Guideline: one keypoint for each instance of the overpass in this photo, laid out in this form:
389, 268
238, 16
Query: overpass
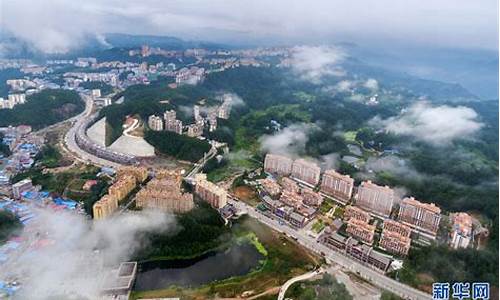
77, 141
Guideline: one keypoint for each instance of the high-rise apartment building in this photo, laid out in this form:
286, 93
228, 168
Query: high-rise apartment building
171, 122
375, 199
223, 112
12, 100
140, 173
96, 93
164, 193
104, 207
122, 187
196, 113
420, 216
127, 179
174, 126
155, 123
337, 185
278, 164
195, 130
170, 115
210, 192
6, 104
17, 98
306, 171
212, 123
461, 230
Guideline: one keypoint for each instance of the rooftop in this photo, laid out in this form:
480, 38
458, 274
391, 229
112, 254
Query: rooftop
427, 206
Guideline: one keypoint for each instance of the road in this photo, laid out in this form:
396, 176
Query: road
131, 128
70, 138
72, 119
199, 164
293, 280
375, 277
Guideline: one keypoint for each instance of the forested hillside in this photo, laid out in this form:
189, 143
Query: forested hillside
43, 109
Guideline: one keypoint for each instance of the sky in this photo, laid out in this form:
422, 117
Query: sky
60, 25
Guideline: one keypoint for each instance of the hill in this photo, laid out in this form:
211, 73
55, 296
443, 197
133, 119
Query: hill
43, 109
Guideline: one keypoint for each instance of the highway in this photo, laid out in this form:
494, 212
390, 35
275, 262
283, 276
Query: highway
375, 277
70, 138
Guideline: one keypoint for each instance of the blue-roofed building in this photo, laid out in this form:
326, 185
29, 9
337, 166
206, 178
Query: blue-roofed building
108, 171
68, 203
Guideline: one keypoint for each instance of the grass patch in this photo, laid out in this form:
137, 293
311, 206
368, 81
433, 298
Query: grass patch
236, 163
350, 136
254, 240
318, 226
326, 206
339, 212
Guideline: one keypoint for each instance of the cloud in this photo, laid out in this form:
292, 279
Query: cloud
357, 98
313, 63
236, 101
392, 164
437, 125
290, 141
59, 25
345, 86
396, 166
371, 84
330, 161
186, 111
82, 252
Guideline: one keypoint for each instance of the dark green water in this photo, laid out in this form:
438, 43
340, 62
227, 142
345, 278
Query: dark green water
236, 261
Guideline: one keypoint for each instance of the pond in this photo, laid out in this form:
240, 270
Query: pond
238, 260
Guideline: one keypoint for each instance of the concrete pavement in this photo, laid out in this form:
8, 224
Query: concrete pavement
293, 280
358, 290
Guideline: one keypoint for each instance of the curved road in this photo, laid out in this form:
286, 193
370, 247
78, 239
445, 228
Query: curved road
131, 128
70, 139
302, 277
